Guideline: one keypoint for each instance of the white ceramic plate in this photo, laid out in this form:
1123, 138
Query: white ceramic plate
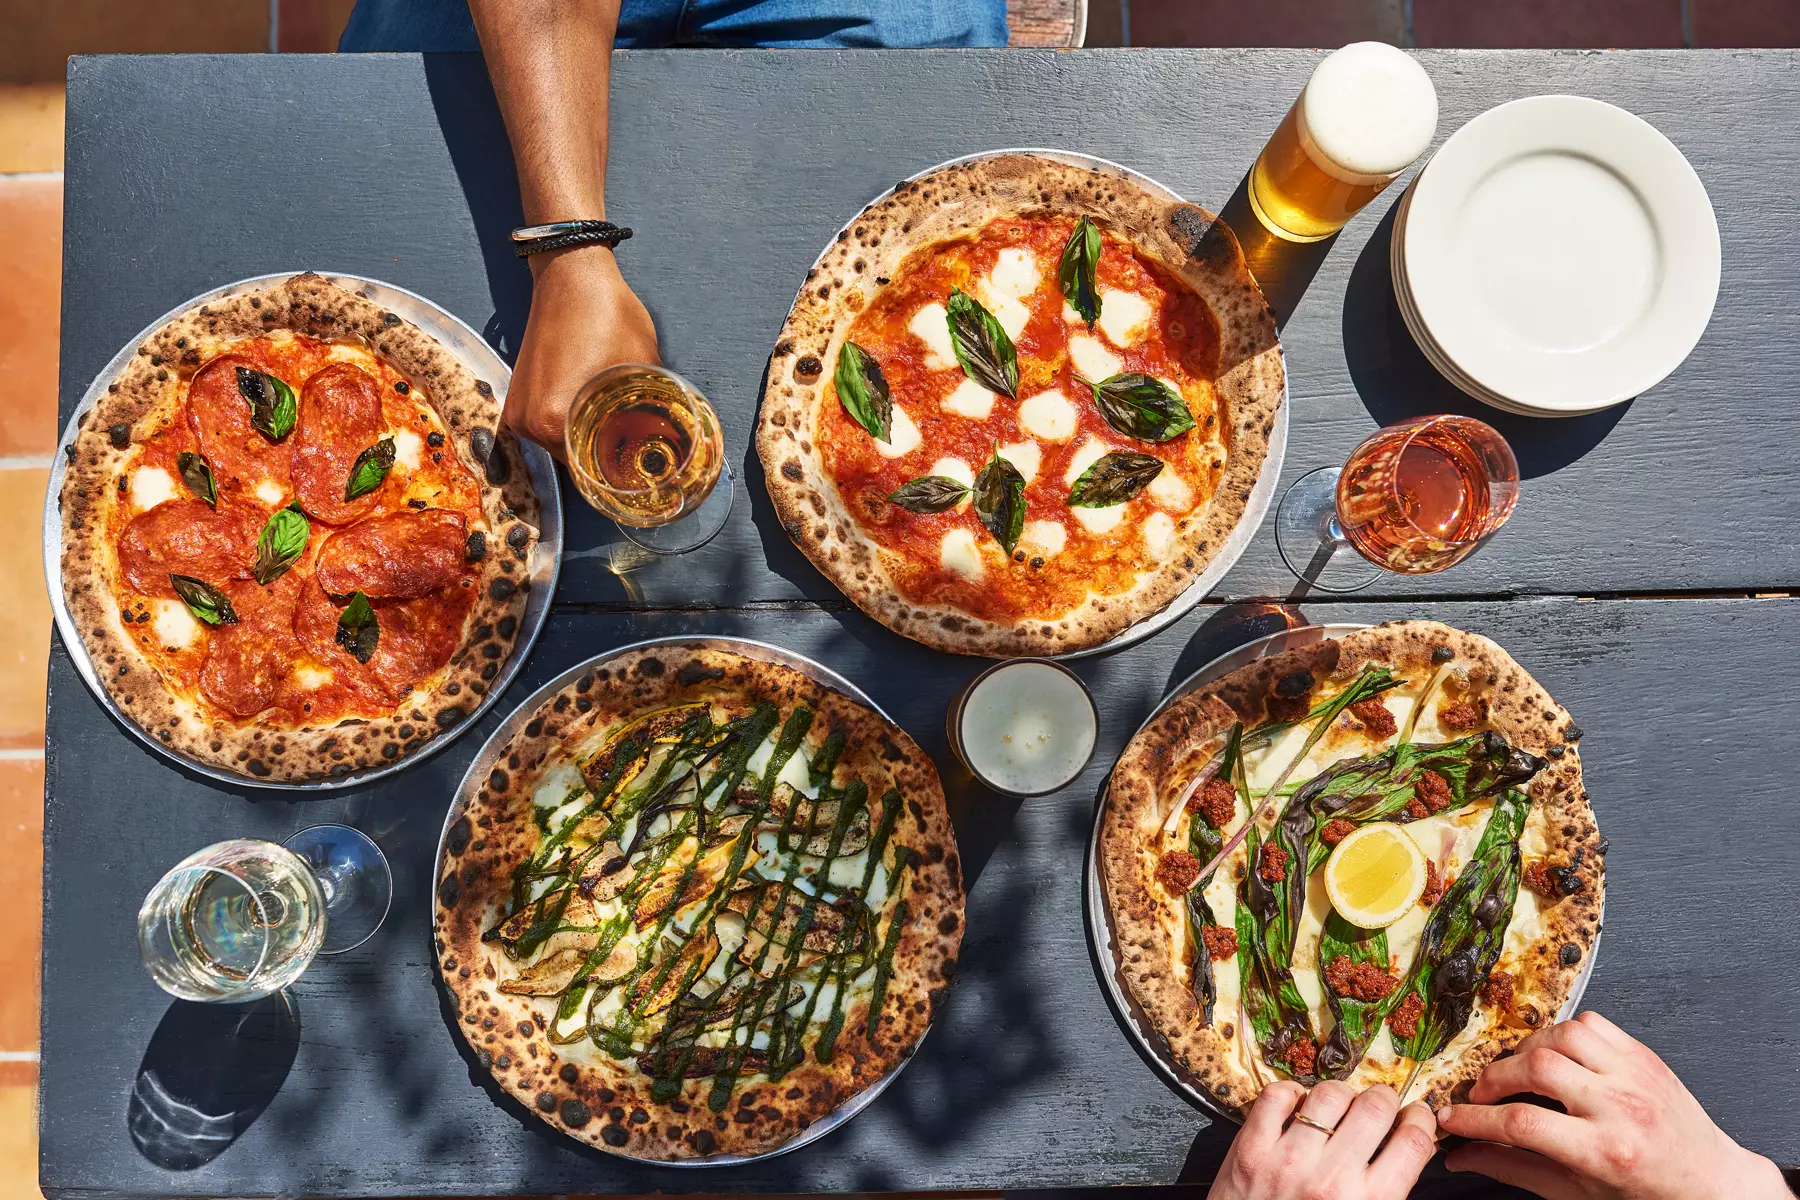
1561, 253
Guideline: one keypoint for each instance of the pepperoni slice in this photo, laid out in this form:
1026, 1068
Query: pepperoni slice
240, 457
247, 663
185, 537
340, 417
400, 556
417, 637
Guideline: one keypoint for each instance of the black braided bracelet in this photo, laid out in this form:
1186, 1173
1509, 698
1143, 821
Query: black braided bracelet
539, 239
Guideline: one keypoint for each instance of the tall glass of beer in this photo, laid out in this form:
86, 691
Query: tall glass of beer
1366, 114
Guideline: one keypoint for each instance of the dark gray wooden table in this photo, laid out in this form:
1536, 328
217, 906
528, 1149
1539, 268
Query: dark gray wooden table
1628, 582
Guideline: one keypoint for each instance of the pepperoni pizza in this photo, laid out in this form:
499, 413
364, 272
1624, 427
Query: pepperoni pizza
295, 542
1020, 405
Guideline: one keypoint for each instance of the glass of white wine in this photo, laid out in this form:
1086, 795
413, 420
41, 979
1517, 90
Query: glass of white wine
244, 918
645, 448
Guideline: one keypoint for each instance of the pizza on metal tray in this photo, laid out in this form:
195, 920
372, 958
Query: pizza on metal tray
700, 902
1020, 405
1251, 974
295, 540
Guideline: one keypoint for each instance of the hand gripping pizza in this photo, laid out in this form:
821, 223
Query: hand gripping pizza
1020, 405
700, 902
295, 540
1418, 892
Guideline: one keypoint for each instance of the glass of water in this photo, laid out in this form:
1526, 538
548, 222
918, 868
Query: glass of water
243, 918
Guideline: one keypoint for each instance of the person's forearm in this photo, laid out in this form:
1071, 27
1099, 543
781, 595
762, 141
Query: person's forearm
550, 63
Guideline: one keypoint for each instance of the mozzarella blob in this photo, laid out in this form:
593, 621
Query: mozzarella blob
1045, 537
408, 446
903, 436
1093, 361
1099, 520
969, 400
1015, 273
931, 325
959, 554
1170, 491
1026, 456
1159, 535
1123, 316
176, 627
1049, 416
151, 486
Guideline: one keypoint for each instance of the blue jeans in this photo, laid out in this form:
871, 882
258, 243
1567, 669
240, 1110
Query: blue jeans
427, 25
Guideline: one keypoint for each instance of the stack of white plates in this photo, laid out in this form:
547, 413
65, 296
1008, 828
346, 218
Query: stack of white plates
1557, 256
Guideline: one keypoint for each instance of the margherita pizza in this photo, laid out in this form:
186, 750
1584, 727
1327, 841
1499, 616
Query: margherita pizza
1410, 768
295, 542
700, 902
1020, 405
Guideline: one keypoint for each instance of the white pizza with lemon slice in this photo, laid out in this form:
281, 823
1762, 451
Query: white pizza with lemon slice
1369, 859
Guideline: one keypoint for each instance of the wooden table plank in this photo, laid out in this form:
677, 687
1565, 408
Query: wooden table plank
1027, 1080
736, 167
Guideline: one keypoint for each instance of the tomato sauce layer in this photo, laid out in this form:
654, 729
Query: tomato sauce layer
280, 665
1176, 342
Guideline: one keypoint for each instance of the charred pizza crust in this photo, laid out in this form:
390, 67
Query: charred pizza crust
1192, 243
1166, 753
593, 1098
145, 396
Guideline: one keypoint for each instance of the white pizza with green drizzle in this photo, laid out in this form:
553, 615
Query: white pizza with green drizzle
699, 903
1248, 968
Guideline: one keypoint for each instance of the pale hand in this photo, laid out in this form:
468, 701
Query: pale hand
1274, 1160
584, 319
1632, 1131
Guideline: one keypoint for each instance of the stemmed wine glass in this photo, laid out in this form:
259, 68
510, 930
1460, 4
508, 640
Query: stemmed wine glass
645, 448
1415, 497
242, 919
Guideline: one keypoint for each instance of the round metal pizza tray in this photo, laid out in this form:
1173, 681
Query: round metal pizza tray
480, 358
489, 754
1262, 494
1099, 918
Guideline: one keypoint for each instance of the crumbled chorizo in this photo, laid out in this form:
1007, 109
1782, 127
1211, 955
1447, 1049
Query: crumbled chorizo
1435, 885
1178, 871
1216, 801
1221, 943
1464, 716
1433, 790
1301, 1055
1553, 880
1336, 831
1274, 864
1498, 991
1375, 716
1415, 808
1358, 980
1404, 1020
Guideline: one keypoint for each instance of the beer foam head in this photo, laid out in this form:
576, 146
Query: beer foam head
1370, 110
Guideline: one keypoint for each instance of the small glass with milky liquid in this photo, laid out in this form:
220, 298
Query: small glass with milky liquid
1366, 114
645, 448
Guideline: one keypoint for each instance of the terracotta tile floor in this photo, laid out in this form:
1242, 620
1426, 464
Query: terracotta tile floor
31, 119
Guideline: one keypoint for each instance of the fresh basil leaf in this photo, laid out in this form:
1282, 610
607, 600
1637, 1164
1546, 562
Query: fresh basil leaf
863, 390
1114, 478
1142, 406
982, 347
370, 468
1080, 260
204, 600
273, 408
280, 544
357, 630
198, 476
1000, 501
930, 494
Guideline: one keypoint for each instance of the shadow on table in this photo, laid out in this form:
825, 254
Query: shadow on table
475, 136
1396, 381
1283, 269
208, 1073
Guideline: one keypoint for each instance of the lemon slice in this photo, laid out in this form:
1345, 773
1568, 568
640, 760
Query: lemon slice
1375, 875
